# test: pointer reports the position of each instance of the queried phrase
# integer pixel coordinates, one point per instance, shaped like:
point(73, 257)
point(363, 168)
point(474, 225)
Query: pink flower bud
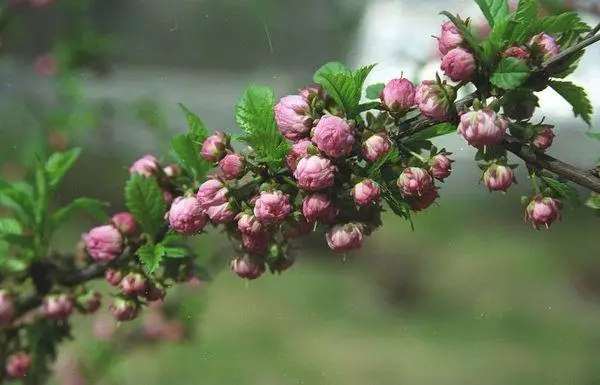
point(344, 238)
point(89, 302)
point(125, 223)
point(168, 197)
point(186, 216)
point(459, 64)
point(315, 173)
point(543, 211)
point(398, 95)
point(482, 128)
point(334, 136)
point(211, 193)
point(298, 151)
point(427, 198)
point(414, 181)
point(172, 170)
point(103, 243)
point(17, 365)
point(498, 177)
point(7, 308)
point(124, 309)
point(134, 283)
point(258, 243)
point(543, 139)
point(431, 101)
point(213, 148)
point(293, 117)
point(519, 52)
point(222, 213)
point(311, 92)
point(376, 146)
point(46, 65)
point(318, 207)
point(366, 193)
point(57, 306)
point(147, 166)
point(545, 44)
point(272, 207)
point(248, 224)
point(113, 277)
point(440, 166)
point(154, 293)
point(232, 166)
point(449, 39)
point(247, 267)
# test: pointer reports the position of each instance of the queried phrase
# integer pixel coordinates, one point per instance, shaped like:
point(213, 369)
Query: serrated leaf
point(176, 252)
point(565, 22)
point(330, 68)
point(196, 129)
point(23, 241)
point(434, 131)
point(391, 156)
point(497, 39)
point(510, 73)
point(494, 11)
point(59, 163)
point(20, 202)
point(187, 154)
point(256, 117)
point(151, 256)
point(527, 11)
point(374, 90)
point(564, 190)
point(145, 201)
point(92, 206)
point(577, 98)
point(10, 226)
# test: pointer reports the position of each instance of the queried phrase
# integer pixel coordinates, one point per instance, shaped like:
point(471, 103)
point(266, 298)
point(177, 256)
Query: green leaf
point(187, 153)
point(59, 163)
point(434, 131)
point(494, 10)
point(10, 226)
point(374, 90)
point(145, 201)
point(593, 201)
point(527, 11)
point(577, 98)
point(564, 190)
point(392, 157)
point(499, 37)
point(553, 25)
point(345, 88)
point(151, 256)
point(510, 73)
point(20, 202)
point(23, 241)
point(196, 129)
point(92, 206)
point(329, 69)
point(593, 135)
point(256, 117)
point(176, 252)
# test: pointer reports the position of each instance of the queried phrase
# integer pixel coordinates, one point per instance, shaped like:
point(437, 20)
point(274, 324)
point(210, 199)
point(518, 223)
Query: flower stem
point(411, 152)
point(535, 183)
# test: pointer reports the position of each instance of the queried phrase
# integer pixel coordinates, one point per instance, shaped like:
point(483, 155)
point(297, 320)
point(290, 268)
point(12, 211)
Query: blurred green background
point(472, 296)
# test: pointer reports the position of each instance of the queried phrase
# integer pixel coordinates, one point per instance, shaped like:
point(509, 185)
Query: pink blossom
point(172, 170)
point(258, 243)
point(247, 267)
point(315, 173)
point(376, 146)
point(543, 211)
point(249, 224)
point(103, 243)
point(113, 276)
point(154, 293)
point(17, 365)
point(398, 95)
point(414, 181)
point(334, 136)
point(543, 139)
point(213, 148)
point(89, 302)
point(449, 39)
point(545, 44)
point(147, 166)
point(57, 306)
point(318, 207)
point(134, 283)
point(441, 166)
point(124, 309)
point(431, 101)
point(344, 238)
point(498, 177)
point(211, 193)
point(312, 92)
point(232, 166)
point(272, 207)
point(7, 308)
point(424, 201)
point(293, 116)
point(459, 64)
point(222, 213)
point(186, 216)
point(298, 151)
point(482, 128)
point(366, 193)
point(518, 52)
point(125, 223)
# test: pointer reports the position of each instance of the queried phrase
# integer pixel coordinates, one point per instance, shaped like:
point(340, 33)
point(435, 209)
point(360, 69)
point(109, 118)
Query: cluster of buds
point(458, 62)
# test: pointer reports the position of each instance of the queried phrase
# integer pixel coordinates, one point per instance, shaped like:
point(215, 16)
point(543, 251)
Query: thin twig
point(571, 50)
